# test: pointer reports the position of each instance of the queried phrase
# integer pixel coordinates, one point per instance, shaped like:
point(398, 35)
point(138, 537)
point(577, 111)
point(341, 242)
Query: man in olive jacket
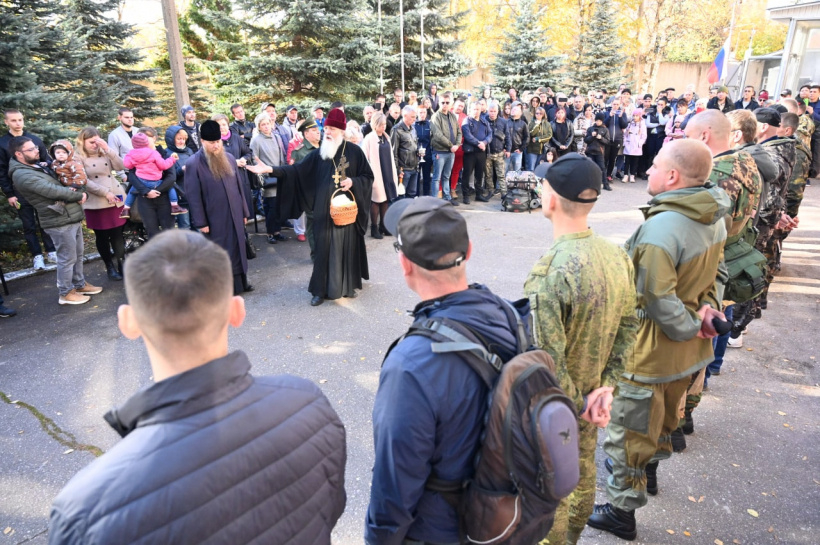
point(676, 254)
point(39, 186)
point(210, 453)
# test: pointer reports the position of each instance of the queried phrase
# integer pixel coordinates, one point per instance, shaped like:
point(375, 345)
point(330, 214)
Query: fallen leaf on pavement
point(7, 530)
point(752, 512)
point(785, 425)
point(750, 350)
point(700, 499)
point(670, 532)
point(736, 541)
point(692, 499)
point(69, 451)
point(735, 465)
point(771, 529)
point(718, 542)
point(687, 534)
point(781, 413)
point(322, 381)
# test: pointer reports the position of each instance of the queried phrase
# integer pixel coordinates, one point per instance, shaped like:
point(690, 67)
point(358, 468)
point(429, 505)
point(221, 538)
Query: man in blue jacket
point(430, 408)
point(209, 453)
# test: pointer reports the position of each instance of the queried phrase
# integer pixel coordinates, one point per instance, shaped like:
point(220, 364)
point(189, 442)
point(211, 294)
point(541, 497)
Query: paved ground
point(755, 445)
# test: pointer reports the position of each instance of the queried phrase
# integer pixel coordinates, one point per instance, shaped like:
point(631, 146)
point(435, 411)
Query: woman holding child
point(105, 197)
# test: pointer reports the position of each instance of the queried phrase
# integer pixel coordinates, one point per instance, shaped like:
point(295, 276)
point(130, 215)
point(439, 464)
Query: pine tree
point(106, 40)
point(524, 62)
point(209, 32)
point(31, 50)
point(303, 49)
point(442, 61)
point(602, 62)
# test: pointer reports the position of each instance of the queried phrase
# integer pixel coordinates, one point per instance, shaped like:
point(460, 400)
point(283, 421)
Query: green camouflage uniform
point(783, 152)
point(794, 196)
point(583, 300)
point(736, 173)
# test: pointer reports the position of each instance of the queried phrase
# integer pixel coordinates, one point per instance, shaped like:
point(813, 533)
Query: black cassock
point(341, 257)
point(220, 205)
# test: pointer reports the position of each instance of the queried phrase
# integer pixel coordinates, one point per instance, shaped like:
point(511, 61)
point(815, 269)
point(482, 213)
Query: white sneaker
point(736, 343)
point(52, 257)
point(39, 264)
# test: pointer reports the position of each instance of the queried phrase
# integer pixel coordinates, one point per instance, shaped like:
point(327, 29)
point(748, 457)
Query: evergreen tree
point(303, 49)
point(106, 40)
point(602, 62)
point(442, 61)
point(209, 32)
point(31, 49)
point(164, 84)
point(524, 61)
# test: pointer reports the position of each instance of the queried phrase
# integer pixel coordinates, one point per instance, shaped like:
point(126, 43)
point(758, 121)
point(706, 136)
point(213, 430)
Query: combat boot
point(616, 521)
point(678, 440)
point(689, 424)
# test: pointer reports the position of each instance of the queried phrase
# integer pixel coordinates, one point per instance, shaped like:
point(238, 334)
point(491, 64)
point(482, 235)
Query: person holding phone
point(105, 199)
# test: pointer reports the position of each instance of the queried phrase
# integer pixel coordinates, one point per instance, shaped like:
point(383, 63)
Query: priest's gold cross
point(339, 175)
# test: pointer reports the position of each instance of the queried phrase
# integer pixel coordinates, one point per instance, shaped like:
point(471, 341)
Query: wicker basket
point(345, 214)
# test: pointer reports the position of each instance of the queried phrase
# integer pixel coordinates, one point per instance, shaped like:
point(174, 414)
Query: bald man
point(675, 254)
point(734, 171)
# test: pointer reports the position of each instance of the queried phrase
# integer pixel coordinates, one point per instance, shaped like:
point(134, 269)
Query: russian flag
point(719, 66)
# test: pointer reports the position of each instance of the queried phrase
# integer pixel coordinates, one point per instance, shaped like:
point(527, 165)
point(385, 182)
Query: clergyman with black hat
point(429, 409)
point(340, 255)
point(217, 200)
point(582, 296)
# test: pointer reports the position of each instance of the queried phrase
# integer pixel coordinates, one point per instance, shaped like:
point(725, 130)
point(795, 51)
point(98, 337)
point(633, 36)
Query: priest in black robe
point(341, 257)
point(217, 200)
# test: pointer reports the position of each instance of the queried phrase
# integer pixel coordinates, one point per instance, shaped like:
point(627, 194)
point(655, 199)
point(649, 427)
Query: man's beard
point(218, 164)
point(330, 146)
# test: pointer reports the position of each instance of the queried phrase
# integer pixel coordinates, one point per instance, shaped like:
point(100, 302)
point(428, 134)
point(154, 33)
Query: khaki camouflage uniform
point(804, 130)
point(736, 173)
point(583, 300)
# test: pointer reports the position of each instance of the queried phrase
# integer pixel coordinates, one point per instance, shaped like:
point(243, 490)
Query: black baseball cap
point(571, 175)
point(770, 116)
point(290, 107)
point(427, 229)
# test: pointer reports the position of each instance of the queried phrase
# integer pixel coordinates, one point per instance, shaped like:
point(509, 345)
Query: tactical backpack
point(746, 266)
point(528, 457)
point(522, 192)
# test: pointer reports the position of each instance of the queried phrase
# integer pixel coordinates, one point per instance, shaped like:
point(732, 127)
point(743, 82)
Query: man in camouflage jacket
point(582, 296)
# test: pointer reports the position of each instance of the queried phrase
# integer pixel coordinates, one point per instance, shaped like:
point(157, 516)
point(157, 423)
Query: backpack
point(528, 457)
point(521, 193)
point(746, 266)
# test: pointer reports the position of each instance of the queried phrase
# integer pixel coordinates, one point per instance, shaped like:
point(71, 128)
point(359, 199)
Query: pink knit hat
point(139, 140)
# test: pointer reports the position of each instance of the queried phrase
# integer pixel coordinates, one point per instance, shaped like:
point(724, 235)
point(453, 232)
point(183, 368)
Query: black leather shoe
point(316, 301)
point(454, 202)
point(616, 521)
point(482, 198)
point(112, 271)
point(271, 239)
point(248, 288)
point(383, 230)
point(678, 440)
point(607, 187)
point(689, 424)
point(374, 232)
point(466, 199)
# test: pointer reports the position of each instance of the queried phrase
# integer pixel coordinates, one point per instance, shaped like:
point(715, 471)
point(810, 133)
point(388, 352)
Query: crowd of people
point(726, 181)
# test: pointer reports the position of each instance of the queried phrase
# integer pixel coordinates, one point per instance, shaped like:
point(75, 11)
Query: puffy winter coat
point(212, 455)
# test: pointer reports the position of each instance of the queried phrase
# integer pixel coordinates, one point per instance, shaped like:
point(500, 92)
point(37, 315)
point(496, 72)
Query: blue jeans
point(719, 344)
point(150, 184)
point(515, 161)
point(442, 168)
point(531, 160)
point(411, 183)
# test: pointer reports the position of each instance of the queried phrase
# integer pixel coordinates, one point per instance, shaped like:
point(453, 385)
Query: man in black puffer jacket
point(210, 454)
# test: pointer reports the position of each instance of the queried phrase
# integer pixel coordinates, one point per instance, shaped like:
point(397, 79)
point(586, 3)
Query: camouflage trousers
point(691, 399)
point(572, 513)
point(495, 163)
point(643, 419)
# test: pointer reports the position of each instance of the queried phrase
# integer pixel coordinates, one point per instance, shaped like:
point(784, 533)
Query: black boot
point(607, 187)
point(121, 267)
point(113, 274)
point(615, 521)
point(678, 440)
point(689, 424)
point(383, 230)
point(374, 232)
point(652, 479)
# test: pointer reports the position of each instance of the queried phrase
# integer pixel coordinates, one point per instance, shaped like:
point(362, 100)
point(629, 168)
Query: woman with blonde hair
point(353, 133)
point(105, 198)
point(379, 153)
